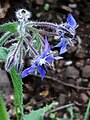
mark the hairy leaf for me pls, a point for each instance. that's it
(3, 53)
(18, 94)
(38, 114)
(10, 26)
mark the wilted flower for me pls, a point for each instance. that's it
(10, 62)
(65, 37)
(41, 63)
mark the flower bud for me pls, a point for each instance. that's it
(10, 62)
(23, 15)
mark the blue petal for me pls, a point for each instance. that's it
(47, 48)
(71, 20)
(41, 71)
(60, 44)
(63, 49)
(28, 71)
(49, 59)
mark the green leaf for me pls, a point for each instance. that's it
(87, 113)
(10, 26)
(3, 112)
(38, 114)
(3, 53)
(18, 94)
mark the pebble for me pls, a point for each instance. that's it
(62, 99)
(88, 61)
(86, 71)
(67, 63)
(80, 53)
(71, 49)
(71, 72)
(61, 63)
(76, 109)
(72, 5)
(80, 63)
(84, 97)
(88, 92)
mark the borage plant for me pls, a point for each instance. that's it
(29, 38)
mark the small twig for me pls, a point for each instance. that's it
(64, 83)
(59, 108)
(67, 84)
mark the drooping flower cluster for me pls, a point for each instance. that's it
(29, 42)
(66, 34)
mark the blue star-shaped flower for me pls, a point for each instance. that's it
(63, 44)
(40, 64)
(70, 25)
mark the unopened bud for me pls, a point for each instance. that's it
(23, 15)
(10, 62)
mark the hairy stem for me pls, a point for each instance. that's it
(32, 48)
